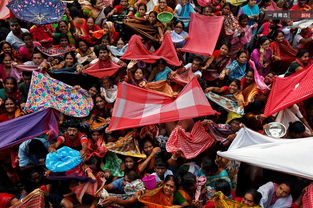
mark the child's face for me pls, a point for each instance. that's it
(129, 163)
(244, 22)
(142, 11)
(160, 170)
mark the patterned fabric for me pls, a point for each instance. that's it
(36, 199)
(220, 201)
(307, 199)
(54, 51)
(156, 199)
(226, 103)
(190, 143)
(113, 164)
(236, 70)
(136, 107)
(46, 92)
(127, 146)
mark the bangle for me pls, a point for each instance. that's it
(174, 158)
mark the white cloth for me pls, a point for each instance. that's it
(167, 172)
(285, 155)
(15, 41)
(268, 191)
(109, 94)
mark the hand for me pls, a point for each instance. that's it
(209, 89)
(207, 122)
(231, 137)
(262, 51)
(177, 154)
(51, 149)
(108, 201)
(156, 150)
(48, 172)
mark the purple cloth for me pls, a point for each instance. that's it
(255, 57)
(26, 127)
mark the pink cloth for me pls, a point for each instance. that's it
(137, 51)
(190, 143)
(4, 11)
(102, 69)
(182, 78)
(307, 198)
(25, 54)
(259, 80)
(17, 70)
(209, 28)
(135, 106)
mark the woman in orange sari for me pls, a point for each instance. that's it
(165, 196)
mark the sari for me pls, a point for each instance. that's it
(236, 70)
(231, 24)
(215, 68)
(161, 87)
(183, 77)
(35, 199)
(210, 180)
(267, 58)
(247, 10)
(118, 51)
(221, 201)
(284, 51)
(156, 199)
(179, 39)
(249, 94)
(183, 13)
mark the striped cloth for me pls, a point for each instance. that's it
(36, 199)
(190, 143)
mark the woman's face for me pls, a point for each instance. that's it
(63, 27)
(83, 46)
(106, 83)
(64, 42)
(305, 58)
(105, 28)
(147, 148)
(169, 188)
(152, 18)
(233, 88)
(224, 50)
(248, 200)
(162, 4)
(100, 103)
(9, 86)
(95, 136)
(252, 3)
(138, 75)
(93, 91)
(216, 2)
(266, 45)
(268, 79)
(90, 23)
(105, 42)
(28, 40)
(282, 191)
(6, 48)
(7, 61)
(129, 163)
(207, 11)
(249, 77)
(280, 37)
(142, 11)
(244, 22)
(69, 60)
(178, 28)
(120, 44)
(226, 10)
(242, 59)
(9, 106)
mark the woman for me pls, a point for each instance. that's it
(251, 198)
(119, 49)
(252, 11)
(162, 7)
(96, 145)
(268, 5)
(302, 61)
(262, 56)
(11, 110)
(5, 66)
(69, 65)
(183, 11)
(165, 196)
(129, 164)
(6, 47)
(237, 69)
(63, 29)
(178, 35)
(101, 109)
(85, 54)
(160, 72)
(109, 29)
(137, 77)
(10, 90)
(151, 29)
(216, 63)
(276, 195)
(26, 51)
(92, 27)
(108, 90)
(147, 165)
(231, 24)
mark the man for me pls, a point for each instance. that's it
(195, 66)
(73, 138)
(15, 36)
(103, 54)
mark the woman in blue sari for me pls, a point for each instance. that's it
(237, 69)
(183, 10)
(252, 11)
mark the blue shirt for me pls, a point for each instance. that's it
(119, 185)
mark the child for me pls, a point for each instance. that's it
(161, 170)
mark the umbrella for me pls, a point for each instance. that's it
(38, 11)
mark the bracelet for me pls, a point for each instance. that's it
(174, 158)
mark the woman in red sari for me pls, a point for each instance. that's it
(283, 52)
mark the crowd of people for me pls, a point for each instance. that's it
(98, 32)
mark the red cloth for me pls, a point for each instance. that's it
(209, 28)
(137, 51)
(290, 90)
(4, 11)
(5, 200)
(136, 106)
(307, 199)
(190, 143)
(102, 69)
(284, 50)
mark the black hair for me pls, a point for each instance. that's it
(257, 196)
(63, 36)
(4, 42)
(57, 28)
(276, 33)
(240, 52)
(101, 48)
(209, 7)
(72, 53)
(296, 127)
(227, 4)
(14, 20)
(242, 17)
(188, 179)
(81, 40)
(262, 40)
(72, 123)
(172, 178)
(142, 5)
(36, 147)
(223, 186)
(12, 99)
(301, 53)
(26, 34)
(132, 175)
(179, 22)
(198, 59)
(4, 55)
(159, 162)
(26, 73)
(237, 82)
(144, 140)
(209, 165)
(11, 78)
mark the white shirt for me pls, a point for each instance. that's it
(15, 41)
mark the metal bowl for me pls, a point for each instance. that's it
(276, 129)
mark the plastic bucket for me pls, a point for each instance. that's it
(149, 182)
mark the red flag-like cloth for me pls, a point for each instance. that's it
(136, 106)
(290, 90)
(102, 69)
(209, 28)
(4, 10)
(137, 51)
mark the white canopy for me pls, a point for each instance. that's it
(293, 156)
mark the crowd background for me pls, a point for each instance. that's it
(96, 33)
